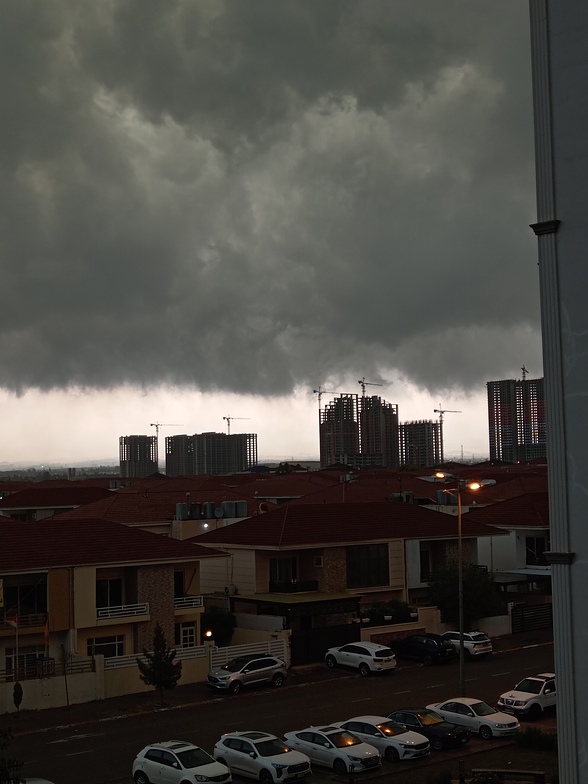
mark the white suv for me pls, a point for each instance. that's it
(177, 762)
(261, 756)
(474, 643)
(531, 697)
(366, 657)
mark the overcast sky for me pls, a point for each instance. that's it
(212, 207)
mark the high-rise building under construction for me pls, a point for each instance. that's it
(210, 453)
(516, 419)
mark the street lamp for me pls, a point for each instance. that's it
(461, 484)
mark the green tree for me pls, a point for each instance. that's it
(157, 668)
(480, 596)
(9, 767)
(221, 623)
(17, 695)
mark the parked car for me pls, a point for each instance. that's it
(366, 657)
(477, 716)
(335, 748)
(393, 741)
(428, 648)
(474, 643)
(531, 697)
(249, 670)
(442, 734)
(177, 762)
(261, 756)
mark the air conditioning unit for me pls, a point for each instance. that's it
(230, 590)
(318, 561)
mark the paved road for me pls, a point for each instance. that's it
(103, 752)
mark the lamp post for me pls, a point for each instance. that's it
(461, 484)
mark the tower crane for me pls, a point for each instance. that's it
(442, 411)
(229, 419)
(320, 392)
(157, 425)
(365, 384)
(524, 371)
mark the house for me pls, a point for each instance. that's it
(80, 592)
(318, 565)
(42, 501)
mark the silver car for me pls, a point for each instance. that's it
(261, 756)
(335, 748)
(177, 762)
(253, 669)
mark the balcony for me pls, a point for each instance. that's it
(293, 586)
(24, 621)
(188, 602)
(122, 611)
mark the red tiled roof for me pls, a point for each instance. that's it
(45, 544)
(527, 511)
(313, 525)
(43, 497)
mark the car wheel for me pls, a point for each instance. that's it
(331, 661)
(485, 732)
(437, 744)
(265, 776)
(428, 660)
(391, 754)
(141, 778)
(277, 681)
(235, 687)
(364, 669)
(340, 767)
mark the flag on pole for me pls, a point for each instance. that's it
(12, 622)
(46, 632)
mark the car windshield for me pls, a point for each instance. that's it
(429, 718)
(482, 709)
(267, 748)
(235, 664)
(342, 739)
(391, 728)
(194, 758)
(384, 653)
(529, 685)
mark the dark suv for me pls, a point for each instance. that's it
(428, 648)
(246, 671)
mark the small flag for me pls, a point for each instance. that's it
(46, 632)
(12, 622)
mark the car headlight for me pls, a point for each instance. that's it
(201, 778)
(278, 766)
(355, 759)
(501, 726)
(520, 703)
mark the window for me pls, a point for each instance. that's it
(178, 584)
(185, 635)
(109, 593)
(535, 547)
(107, 646)
(367, 565)
(283, 570)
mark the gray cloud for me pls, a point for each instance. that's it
(253, 196)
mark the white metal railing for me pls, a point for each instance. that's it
(220, 656)
(123, 611)
(118, 662)
(182, 602)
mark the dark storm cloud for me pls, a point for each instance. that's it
(248, 196)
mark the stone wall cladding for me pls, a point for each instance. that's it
(155, 584)
(333, 577)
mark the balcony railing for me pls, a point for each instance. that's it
(293, 586)
(187, 602)
(23, 621)
(123, 611)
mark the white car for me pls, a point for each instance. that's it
(393, 741)
(474, 643)
(335, 748)
(261, 756)
(366, 657)
(531, 697)
(477, 716)
(177, 762)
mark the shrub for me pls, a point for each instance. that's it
(534, 738)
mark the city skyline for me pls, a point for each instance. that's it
(188, 234)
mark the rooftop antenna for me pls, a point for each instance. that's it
(365, 384)
(525, 371)
(229, 420)
(442, 411)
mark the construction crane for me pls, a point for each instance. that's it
(365, 384)
(442, 411)
(229, 419)
(524, 371)
(320, 392)
(157, 425)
